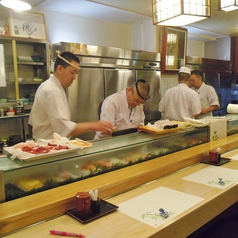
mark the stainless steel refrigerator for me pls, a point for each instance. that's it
(85, 95)
(107, 70)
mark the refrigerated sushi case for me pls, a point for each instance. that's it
(232, 124)
(25, 178)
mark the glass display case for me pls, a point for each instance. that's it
(232, 124)
(25, 178)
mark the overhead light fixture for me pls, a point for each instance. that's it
(16, 5)
(228, 5)
(180, 12)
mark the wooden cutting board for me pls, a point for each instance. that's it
(153, 130)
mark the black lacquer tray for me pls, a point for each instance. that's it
(221, 162)
(105, 208)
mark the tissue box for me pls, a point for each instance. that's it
(217, 129)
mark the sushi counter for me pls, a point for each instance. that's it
(45, 188)
(32, 173)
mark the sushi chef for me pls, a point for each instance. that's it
(180, 101)
(207, 94)
(50, 111)
(124, 109)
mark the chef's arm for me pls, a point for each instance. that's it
(209, 109)
(81, 128)
(197, 115)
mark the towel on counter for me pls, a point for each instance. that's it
(232, 108)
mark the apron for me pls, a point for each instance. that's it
(204, 104)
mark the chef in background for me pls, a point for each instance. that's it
(207, 94)
(124, 109)
(50, 111)
(180, 101)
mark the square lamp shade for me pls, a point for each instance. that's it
(180, 12)
(228, 5)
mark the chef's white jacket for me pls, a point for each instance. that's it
(179, 102)
(115, 109)
(208, 97)
(50, 111)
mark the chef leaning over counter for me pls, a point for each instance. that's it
(125, 109)
(50, 112)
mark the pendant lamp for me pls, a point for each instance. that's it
(180, 12)
(16, 5)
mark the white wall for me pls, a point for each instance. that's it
(219, 49)
(148, 36)
(195, 48)
(145, 36)
(136, 32)
(72, 28)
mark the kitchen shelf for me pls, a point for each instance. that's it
(31, 63)
(14, 117)
(15, 47)
(33, 82)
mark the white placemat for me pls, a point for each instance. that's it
(210, 176)
(145, 208)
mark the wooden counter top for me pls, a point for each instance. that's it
(22, 212)
(119, 225)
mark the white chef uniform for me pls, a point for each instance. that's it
(179, 102)
(208, 97)
(50, 111)
(115, 109)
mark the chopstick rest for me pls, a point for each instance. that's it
(163, 213)
(221, 182)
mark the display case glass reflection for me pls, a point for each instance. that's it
(173, 48)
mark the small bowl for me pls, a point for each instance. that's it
(37, 58)
(25, 100)
(10, 114)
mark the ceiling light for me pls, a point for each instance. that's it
(180, 12)
(16, 5)
(228, 5)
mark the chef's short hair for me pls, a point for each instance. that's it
(196, 72)
(184, 76)
(142, 88)
(68, 56)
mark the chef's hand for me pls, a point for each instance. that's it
(104, 127)
(139, 128)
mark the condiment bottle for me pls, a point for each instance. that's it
(219, 154)
(4, 145)
(4, 142)
(83, 204)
